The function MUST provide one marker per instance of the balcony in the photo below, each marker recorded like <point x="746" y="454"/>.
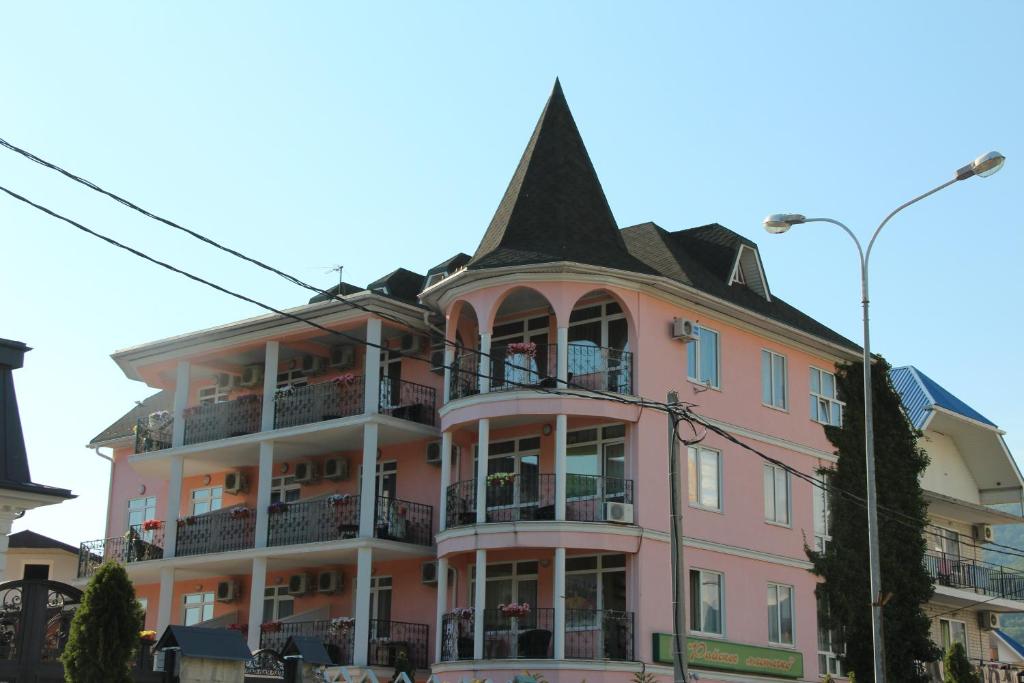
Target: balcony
<point x="216" y="532"/>
<point x="387" y="639"/>
<point x="531" y="497"/>
<point x="529" y="365"/>
<point x="136" y="545"/>
<point x="983" y="578"/>
<point x="293" y="407"/>
<point x="313" y="521"/>
<point x="589" y="634"/>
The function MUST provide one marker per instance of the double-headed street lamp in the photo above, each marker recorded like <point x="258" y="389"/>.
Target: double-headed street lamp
<point x="983" y="166"/>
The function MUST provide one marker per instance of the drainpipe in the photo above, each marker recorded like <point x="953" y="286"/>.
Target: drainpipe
<point x="110" y="490"/>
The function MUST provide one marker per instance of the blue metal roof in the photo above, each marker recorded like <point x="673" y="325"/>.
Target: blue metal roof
<point x="1010" y="642"/>
<point x="919" y="393"/>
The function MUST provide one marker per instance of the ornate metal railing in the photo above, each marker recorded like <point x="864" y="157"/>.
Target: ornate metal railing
<point x="318" y="402"/>
<point x="213" y="421"/>
<point x="457" y="636"/>
<point x="402" y="520"/>
<point x="599" y="368"/>
<point x="153" y="435"/>
<point x="388" y="638"/>
<point x="513" y="368"/>
<point x="586" y="496"/>
<point x="465" y="375"/>
<point x="137" y="545"/>
<point x="528" y="636"/>
<point x="265" y="663"/>
<point x="598" y="634"/>
<point x="981" y="577"/>
<point x="523" y="498"/>
<point x="330" y="518"/>
<point x="216" y="532"/>
<point x="337" y="640"/>
<point x="408" y="400"/>
<point x="460" y="504"/>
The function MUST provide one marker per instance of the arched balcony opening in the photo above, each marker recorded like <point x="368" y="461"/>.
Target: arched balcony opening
<point x="599" y="355"/>
<point x="522" y="352"/>
<point x="464" y="330"/>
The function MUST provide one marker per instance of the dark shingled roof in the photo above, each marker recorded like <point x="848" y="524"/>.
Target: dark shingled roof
<point x="310" y="648"/>
<point x="401" y="284"/>
<point x="123" y="427"/>
<point x="345" y="288"/>
<point x="554" y="208"/>
<point x="32" y="540"/>
<point x="702" y="258"/>
<point x="451" y="265"/>
<point x="206" y="643"/>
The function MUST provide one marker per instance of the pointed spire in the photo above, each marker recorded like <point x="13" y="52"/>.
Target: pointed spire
<point x="554" y="208"/>
<point x="13" y="458"/>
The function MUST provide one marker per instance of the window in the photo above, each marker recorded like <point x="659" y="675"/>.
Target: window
<point x="213" y="394"/>
<point x="704" y="476"/>
<point x="596" y="463"/>
<point x="706" y="591"/>
<point x="830" y="644"/>
<point x="380" y="606"/>
<point x="284" y="489"/>
<point x="139" y="510"/>
<point x="593" y="584"/>
<point x="946" y="542"/>
<point x="35" y="572"/>
<point x="780" y="614"/>
<point x="206" y="500"/>
<point x="776" y="495"/>
<point x="774" y="389"/>
<point x="822" y="514"/>
<point x="277" y="603"/>
<point x="198" y="608"/>
<point x="952" y="631"/>
<point x="598" y="336"/>
<point x="387" y="479"/>
<point x="522" y="458"/>
<point x="825" y="406"/>
<point x="515" y="369"/>
<point x="702" y="358"/>
<point x="291" y="378"/>
<point x="507" y="582"/>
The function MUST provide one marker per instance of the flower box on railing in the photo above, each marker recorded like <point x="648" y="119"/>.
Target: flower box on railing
<point x="239" y="513"/>
<point x="341" y="625"/>
<point x="347" y="379"/>
<point x="148" y="636"/>
<point x="152" y="525"/>
<point x="514" y="609"/>
<point x="501" y="478"/>
<point x="187" y="521"/>
<point x="337" y="499"/>
<point x="270" y="627"/>
<point x="524" y="348"/>
<point x="277" y="508"/>
<point x="464" y="613"/>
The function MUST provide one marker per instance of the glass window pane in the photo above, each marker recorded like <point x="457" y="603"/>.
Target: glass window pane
<point x="695" y="623"/>
<point x="614" y="431"/>
<point x="828" y="387"/>
<point x="815" y="381"/>
<point x="499" y="570"/>
<point x="612" y="561"/>
<point x="581" y="591"/>
<point x="526" y="568"/>
<point x="285" y="608"/>
<point x="837" y="415"/>
<point x="779" y="381"/>
<point x="769" y="493"/>
<point x="691" y="474"/>
<point x="711" y="602"/>
<point x="709" y="478"/>
<point x="573" y="564"/>
<point x="613" y="591"/>
<point x="781" y="496"/>
<point x="691" y="360"/>
<point x="786" y="614"/>
<point x="709" y="356"/>
<point x="773" y="615"/>
<point x="766" y="377"/>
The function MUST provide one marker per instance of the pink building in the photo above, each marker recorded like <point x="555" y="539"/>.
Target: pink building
<point x="517" y="514"/>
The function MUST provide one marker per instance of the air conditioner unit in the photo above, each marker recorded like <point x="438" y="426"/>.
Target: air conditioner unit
<point x="343" y="356"/>
<point x="252" y="376"/>
<point x="226" y="380"/>
<point x="984" y="533"/>
<point x="410" y="343"/>
<point x="235" y="482"/>
<point x="437" y="361"/>
<point x="227" y="591"/>
<point x="988" y="621"/>
<point x="620" y="513"/>
<point x="298" y="584"/>
<point x="330" y="582"/>
<point x="305" y="471"/>
<point x="312" y="365"/>
<point x="428" y="572"/>
<point x="685" y="330"/>
<point x="434" y="453"/>
<point x="336" y="468"/>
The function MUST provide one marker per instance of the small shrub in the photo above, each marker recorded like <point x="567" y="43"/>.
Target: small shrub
<point x="956" y="667"/>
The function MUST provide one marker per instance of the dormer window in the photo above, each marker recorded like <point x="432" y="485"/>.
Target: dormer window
<point x="434" y="278"/>
<point x="748" y="272"/>
<point x="381" y="290"/>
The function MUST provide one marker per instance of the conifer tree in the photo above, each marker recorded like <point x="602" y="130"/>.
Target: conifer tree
<point x="105" y="630"/>
<point x="906" y="585"/>
<point x="956" y="668"/>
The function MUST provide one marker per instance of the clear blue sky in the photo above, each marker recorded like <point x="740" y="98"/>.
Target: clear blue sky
<point x="310" y="134"/>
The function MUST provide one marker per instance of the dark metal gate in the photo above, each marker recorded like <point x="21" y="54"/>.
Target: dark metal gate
<point x="35" y="619"/>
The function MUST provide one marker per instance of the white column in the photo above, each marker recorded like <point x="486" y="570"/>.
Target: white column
<point x="563" y="356"/>
<point x="559" y="598"/>
<point x="449" y="358"/>
<point x="478" y="604"/>
<point x="361" y="645"/>
<point x="368" y="484"/>
<point x="173" y="505"/>
<point x="561" y="426"/>
<point x="371" y="368"/>
<point x="256" y="589"/>
<point x="446" y="479"/>
<point x="483" y="445"/>
<point x="166" y="603"/>
<point x="484" y="367"/>
<point x="270" y="363"/>
<point x="265" y="473"/>
<point x="181" y="392"/>
<point x="442" y="605"/>
<point x="7" y="516"/>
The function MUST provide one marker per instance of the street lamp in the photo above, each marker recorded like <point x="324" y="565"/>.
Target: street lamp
<point x="778" y="223"/>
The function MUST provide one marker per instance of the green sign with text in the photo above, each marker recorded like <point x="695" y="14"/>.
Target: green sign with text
<point x="721" y="654"/>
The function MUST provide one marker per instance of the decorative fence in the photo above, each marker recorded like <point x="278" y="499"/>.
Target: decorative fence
<point x="330" y="518"/>
<point x="216" y="532"/>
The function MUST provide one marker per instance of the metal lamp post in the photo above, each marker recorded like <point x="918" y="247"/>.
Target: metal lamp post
<point x="983" y="166"/>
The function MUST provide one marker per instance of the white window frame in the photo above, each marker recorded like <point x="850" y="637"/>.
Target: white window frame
<point x="696" y="454"/>
<point x="772" y="516"/>
<point x="282" y="485"/>
<point x="598" y="571"/>
<point x="829" y="663"/>
<point x="818" y="398"/>
<point x="213" y="394"/>
<point x="698" y="345"/>
<point x="277" y="595"/>
<point x="515" y="576"/>
<point x="822" y="514"/>
<point x="214" y="502"/>
<point x="777" y="587"/>
<point x="946" y="634"/>
<point x="947" y="542"/>
<point x="601" y="442"/>
<point x="604" y="317"/>
<point x="771" y="356"/>
<point x="291" y="378"/>
<point x="516" y="454"/>
<point x="206" y="599"/>
<point x="698" y="599"/>
<point x="378" y="585"/>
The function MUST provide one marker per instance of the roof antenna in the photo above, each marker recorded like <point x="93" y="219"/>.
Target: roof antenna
<point x="339" y="268"/>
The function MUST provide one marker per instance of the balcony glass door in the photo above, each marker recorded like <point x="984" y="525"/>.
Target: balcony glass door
<point x="517" y="496"/>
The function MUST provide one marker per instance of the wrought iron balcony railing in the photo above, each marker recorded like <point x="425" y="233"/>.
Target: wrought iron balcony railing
<point x="526" y="497"/>
<point x="402" y="520"/>
<point x="408" y="400"/>
<point x="988" y="579"/>
<point x="216" y="532"/>
<point x="523" y="365"/>
<point x="465" y="375"/>
<point x="331" y="518"/>
<point x="137" y="545"/>
<point x="387" y="639"/>
<point x="600" y="368"/>
<point x="153" y="434"/>
<point x="213" y="421"/>
<point x="337" y="639"/>
<point x="318" y="402"/>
